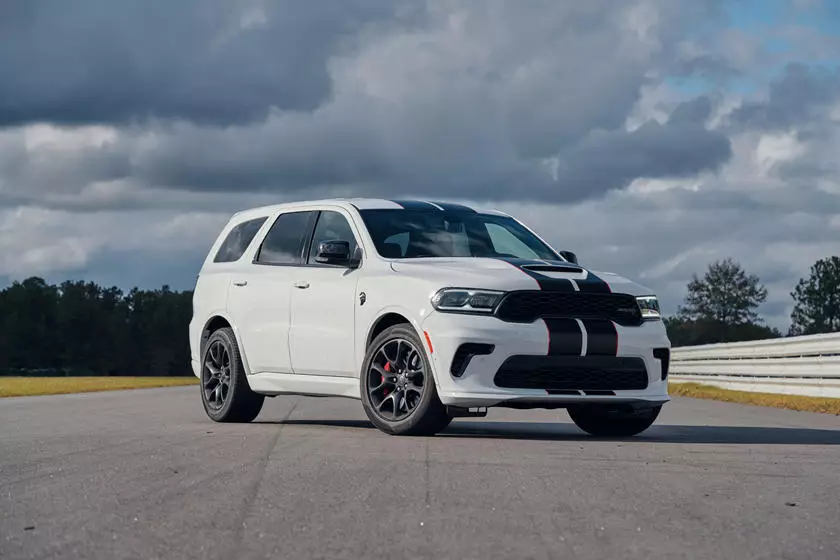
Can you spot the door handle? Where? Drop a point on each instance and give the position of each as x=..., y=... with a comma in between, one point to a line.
x=240, y=282
x=302, y=284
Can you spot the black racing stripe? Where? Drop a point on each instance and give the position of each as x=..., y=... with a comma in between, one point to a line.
x=592, y=284
x=452, y=207
x=547, y=283
x=416, y=205
x=601, y=337
x=564, y=337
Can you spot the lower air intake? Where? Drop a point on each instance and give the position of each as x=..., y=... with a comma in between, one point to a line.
x=664, y=357
x=573, y=373
x=465, y=353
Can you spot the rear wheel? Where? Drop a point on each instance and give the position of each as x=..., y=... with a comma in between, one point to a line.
x=225, y=393
x=613, y=421
x=398, y=390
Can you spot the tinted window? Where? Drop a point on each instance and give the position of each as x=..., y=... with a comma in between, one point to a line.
x=283, y=244
x=331, y=226
x=238, y=240
x=394, y=247
x=506, y=243
x=419, y=233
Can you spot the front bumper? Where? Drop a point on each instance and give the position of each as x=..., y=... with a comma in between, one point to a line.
x=476, y=386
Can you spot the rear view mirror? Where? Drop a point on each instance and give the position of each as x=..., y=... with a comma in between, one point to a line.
x=333, y=252
x=569, y=256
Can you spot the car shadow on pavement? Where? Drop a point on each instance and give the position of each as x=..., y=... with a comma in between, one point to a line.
x=662, y=433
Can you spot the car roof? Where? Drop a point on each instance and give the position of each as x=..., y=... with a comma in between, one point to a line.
x=365, y=204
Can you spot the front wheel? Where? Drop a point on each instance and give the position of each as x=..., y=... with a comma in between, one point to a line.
x=398, y=390
x=612, y=421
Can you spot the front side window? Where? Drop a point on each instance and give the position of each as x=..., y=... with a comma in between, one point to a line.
x=419, y=233
x=331, y=226
x=283, y=244
x=238, y=240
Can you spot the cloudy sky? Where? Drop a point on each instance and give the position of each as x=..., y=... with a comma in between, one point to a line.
x=649, y=136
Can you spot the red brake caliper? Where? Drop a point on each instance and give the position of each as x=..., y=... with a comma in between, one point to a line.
x=382, y=380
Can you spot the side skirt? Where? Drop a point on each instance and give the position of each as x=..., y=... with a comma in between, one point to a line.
x=272, y=384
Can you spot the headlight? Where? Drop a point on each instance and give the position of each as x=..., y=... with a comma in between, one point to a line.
x=463, y=300
x=649, y=305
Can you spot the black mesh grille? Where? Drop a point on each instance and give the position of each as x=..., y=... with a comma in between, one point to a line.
x=527, y=306
x=584, y=373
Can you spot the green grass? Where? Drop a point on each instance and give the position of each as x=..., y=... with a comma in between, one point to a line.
x=793, y=402
x=29, y=386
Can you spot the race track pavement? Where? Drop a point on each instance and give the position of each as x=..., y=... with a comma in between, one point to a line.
x=144, y=474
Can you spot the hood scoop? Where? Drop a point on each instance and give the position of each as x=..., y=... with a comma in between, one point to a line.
x=552, y=268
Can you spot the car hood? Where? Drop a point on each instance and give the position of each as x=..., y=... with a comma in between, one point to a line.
x=510, y=274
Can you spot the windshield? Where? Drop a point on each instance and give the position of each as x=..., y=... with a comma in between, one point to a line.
x=419, y=233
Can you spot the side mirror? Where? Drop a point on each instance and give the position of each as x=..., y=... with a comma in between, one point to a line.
x=569, y=256
x=333, y=252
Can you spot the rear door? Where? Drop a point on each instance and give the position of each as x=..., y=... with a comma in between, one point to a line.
x=323, y=302
x=259, y=296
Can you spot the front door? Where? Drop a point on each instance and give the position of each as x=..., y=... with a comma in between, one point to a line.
x=323, y=306
x=260, y=291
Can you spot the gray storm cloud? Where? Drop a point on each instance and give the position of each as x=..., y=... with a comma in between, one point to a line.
x=206, y=61
x=612, y=127
x=493, y=100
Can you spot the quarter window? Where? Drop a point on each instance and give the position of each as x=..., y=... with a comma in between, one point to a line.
x=238, y=240
x=283, y=244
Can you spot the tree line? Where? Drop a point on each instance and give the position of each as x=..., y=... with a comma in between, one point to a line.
x=722, y=306
x=81, y=328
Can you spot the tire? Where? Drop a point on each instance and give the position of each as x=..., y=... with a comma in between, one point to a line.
x=238, y=403
x=426, y=415
x=611, y=421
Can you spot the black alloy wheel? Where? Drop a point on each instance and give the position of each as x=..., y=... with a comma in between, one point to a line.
x=396, y=379
x=216, y=374
x=398, y=389
x=225, y=392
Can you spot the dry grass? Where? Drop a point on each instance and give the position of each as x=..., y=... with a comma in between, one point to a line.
x=792, y=402
x=28, y=386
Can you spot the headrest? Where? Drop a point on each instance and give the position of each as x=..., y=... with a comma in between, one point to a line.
x=391, y=250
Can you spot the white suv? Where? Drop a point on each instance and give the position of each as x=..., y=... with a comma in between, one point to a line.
x=425, y=311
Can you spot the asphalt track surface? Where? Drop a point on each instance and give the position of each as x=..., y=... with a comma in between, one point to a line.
x=144, y=474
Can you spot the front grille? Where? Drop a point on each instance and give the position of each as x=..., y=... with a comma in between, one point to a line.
x=527, y=306
x=573, y=373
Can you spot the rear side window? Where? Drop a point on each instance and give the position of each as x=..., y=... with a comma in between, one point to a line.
x=238, y=240
x=283, y=244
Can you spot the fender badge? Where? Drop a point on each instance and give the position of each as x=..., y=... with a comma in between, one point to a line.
x=362, y=298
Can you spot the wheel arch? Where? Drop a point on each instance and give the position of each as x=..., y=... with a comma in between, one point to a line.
x=389, y=317
x=221, y=320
